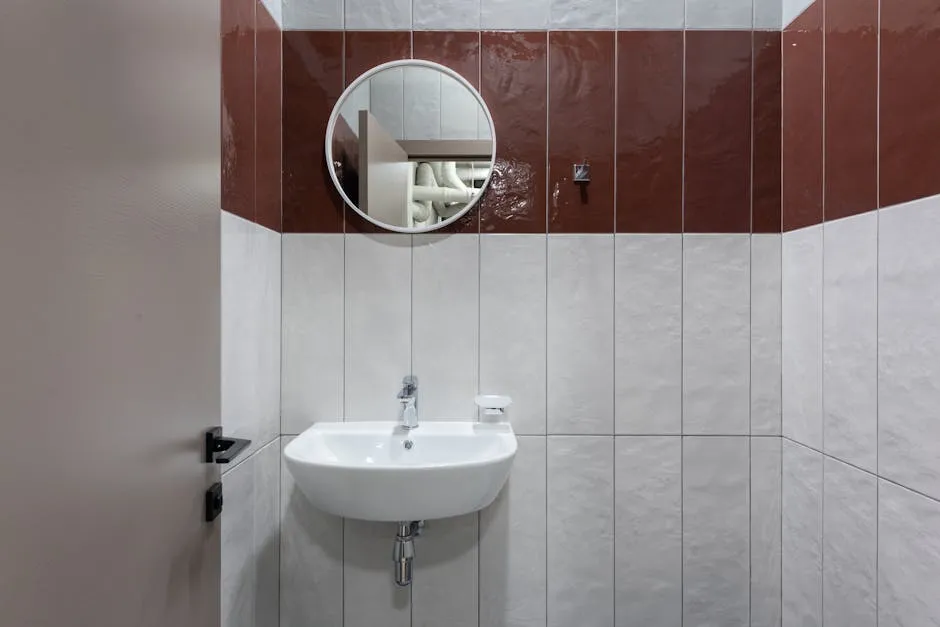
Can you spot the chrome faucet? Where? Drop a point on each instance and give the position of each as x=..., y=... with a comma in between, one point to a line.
x=408, y=398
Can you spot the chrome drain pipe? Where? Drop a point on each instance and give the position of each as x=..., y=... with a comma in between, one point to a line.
x=403, y=555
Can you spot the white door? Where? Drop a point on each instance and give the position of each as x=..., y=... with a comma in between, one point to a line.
x=109, y=311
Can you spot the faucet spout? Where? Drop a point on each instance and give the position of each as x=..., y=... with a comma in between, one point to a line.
x=408, y=399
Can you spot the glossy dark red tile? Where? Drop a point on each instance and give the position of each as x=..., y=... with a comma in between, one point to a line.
x=910, y=100
x=366, y=49
x=851, y=172
x=514, y=86
x=458, y=50
x=649, y=131
x=581, y=123
x=268, y=121
x=718, y=132
x=238, y=107
x=312, y=82
x=803, y=120
x=767, y=200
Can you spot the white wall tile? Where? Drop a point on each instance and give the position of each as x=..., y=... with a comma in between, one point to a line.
x=268, y=533
x=714, y=14
x=312, y=14
x=909, y=345
x=422, y=103
x=766, y=469
x=802, y=536
x=908, y=558
x=649, y=14
x=512, y=325
x=378, y=15
x=580, y=334
x=387, y=100
x=445, y=589
x=648, y=531
x=238, y=564
x=572, y=14
x=446, y=324
x=716, y=531
x=446, y=14
x=250, y=540
x=311, y=579
x=648, y=326
x=766, y=334
x=251, y=328
x=512, y=544
x=378, y=324
x=850, y=546
x=371, y=597
x=793, y=8
x=802, y=335
x=716, y=334
x=311, y=330
x=850, y=329
x=768, y=14
x=514, y=14
x=580, y=508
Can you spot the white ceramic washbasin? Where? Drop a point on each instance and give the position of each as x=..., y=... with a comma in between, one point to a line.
x=364, y=470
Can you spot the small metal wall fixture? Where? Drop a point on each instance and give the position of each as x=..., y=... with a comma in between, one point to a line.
x=581, y=172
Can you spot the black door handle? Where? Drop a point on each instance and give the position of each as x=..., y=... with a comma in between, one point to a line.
x=220, y=450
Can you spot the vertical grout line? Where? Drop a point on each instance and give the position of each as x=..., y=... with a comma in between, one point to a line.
x=780, y=336
x=685, y=19
x=750, y=340
x=280, y=378
x=878, y=320
x=613, y=391
x=822, y=343
x=548, y=78
x=345, y=293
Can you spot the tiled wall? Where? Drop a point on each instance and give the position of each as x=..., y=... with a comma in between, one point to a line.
x=636, y=324
x=251, y=309
x=861, y=490
x=251, y=111
x=251, y=354
x=859, y=108
x=660, y=116
x=861, y=481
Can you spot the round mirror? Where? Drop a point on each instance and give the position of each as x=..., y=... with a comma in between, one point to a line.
x=410, y=146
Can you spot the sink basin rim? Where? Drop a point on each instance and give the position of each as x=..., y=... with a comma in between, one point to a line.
x=299, y=449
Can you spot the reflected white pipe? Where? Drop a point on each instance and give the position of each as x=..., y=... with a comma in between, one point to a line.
x=451, y=179
x=441, y=194
x=470, y=173
x=420, y=212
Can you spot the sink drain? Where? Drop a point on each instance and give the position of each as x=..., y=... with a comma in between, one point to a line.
x=409, y=445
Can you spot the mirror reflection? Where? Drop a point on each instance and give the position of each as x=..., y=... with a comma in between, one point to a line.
x=411, y=146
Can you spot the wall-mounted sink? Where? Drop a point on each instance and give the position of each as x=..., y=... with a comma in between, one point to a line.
x=382, y=472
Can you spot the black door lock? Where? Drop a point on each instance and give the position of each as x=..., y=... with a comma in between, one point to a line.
x=213, y=502
x=221, y=450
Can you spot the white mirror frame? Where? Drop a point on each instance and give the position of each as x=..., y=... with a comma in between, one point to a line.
x=334, y=117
